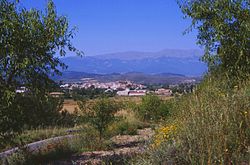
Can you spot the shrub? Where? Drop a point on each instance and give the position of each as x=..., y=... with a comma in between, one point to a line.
x=44, y=111
x=32, y=38
x=123, y=127
x=99, y=113
x=216, y=125
x=127, y=123
x=31, y=111
x=153, y=108
x=213, y=128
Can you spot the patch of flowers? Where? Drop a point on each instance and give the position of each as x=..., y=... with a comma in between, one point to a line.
x=163, y=134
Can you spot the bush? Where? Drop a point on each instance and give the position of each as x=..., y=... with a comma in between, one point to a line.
x=123, y=127
x=127, y=123
x=24, y=65
x=31, y=111
x=43, y=111
x=153, y=108
x=215, y=124
x=213, y=127
x=99, y=113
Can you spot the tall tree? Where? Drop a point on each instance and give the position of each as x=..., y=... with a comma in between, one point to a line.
x=224, y=30
x=29, y=43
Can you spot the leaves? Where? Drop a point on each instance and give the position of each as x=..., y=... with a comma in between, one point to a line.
x=29, y=42
x=224, y=31
x=99, y=113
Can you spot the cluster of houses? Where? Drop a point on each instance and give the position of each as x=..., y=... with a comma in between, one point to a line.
x=21, y=90
x=91, y=83
x=122, y=88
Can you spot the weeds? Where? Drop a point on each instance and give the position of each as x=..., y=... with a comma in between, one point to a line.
x=213, y=127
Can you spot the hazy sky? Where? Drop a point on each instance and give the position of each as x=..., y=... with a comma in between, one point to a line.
x=106, y=26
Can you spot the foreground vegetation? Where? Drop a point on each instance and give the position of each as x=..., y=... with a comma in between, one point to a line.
x=209, y=126
x=124, y=118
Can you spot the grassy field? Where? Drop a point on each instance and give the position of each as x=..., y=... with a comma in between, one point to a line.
x=70, y=105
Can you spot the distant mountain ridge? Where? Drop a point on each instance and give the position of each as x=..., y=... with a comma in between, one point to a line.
x=135, y=55
x=185, y=62
x=137, y=77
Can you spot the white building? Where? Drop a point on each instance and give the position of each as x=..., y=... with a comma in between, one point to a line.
x=137, y=93
x=21, y=90
x=123, y=93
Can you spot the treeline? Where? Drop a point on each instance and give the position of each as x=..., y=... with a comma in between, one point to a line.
x=88, y=93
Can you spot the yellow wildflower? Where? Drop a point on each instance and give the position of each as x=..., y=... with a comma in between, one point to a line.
x=163, y=134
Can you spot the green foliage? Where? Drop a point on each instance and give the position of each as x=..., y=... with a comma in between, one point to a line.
x=153, y=108
x=89, y=93
x=29, y=41
x=125, y=126
x=33, y=111
x=28, y=44
x=215, y=124
x=39, y=110
x=183, y=88
x=224, y=30
x=86, y=140
x=99, y=113
x=213, y=127
x=153, y=87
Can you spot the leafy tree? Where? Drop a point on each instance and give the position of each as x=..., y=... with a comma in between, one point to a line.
x=29, y=41
x=224, y=30
x=149, y=106
x=99, y=113
x=90, y=93
x=153, y=108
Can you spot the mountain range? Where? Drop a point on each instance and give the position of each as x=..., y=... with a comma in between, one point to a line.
x=176, y=61
x=137, y=77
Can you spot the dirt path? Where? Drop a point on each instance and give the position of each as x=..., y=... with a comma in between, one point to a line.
x=125, y=146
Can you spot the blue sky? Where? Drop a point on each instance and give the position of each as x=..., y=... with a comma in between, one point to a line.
x=106, y=26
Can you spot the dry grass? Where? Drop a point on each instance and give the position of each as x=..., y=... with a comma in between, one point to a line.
x=213, y=127
x=70, y=105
